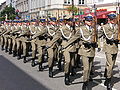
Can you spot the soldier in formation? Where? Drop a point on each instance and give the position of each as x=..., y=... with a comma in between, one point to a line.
x=57, y=41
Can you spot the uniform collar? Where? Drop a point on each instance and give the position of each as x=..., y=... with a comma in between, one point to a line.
x=88, y=27
x=111, y=25
x=68, y=26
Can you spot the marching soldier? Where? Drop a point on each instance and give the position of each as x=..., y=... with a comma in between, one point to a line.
x=14, y=33
x=24, y=37
x=33, y=32
x=18, y=41
x=2, y=30
x=7, y=36
x=69, y=52
x=109, y=32
x=87, y=48
x=10, y=39
x=40, y=42
x=53, y=45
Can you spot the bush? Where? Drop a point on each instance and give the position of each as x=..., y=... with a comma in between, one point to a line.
x=12, y=17
x=2, y=18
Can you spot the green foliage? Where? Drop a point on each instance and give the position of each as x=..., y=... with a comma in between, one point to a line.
x=71, y=9
x=2, y=18
x=12, y=17
x=10, y=11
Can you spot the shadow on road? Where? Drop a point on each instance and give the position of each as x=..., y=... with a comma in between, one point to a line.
x=13, y=78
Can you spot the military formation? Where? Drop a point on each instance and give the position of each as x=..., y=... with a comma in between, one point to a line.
x=63, y=43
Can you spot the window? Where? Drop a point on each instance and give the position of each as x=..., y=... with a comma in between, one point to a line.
x=81, y=1
x=68, y=1
x=65, y=1
x=100, y=0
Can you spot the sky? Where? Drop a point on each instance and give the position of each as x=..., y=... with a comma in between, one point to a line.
x=1, y=1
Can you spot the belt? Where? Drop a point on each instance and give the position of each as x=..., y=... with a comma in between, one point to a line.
x=111, y=41
x=89, y=45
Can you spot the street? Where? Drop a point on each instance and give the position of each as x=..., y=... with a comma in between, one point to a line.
x=15, y=75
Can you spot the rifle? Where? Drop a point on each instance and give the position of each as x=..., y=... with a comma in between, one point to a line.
x=73, y=26
x=47, y=19
x=95, y=23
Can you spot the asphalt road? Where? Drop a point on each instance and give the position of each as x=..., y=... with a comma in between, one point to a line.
x=15, y=75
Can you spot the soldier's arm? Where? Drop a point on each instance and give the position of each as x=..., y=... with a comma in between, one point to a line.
x=39, y=34
x=53, y=41
x=24, y=33
x=7, y=32
x=100, y=32
x=14, y=31
x=100, y=35
x=2, y=32
x=73, y=39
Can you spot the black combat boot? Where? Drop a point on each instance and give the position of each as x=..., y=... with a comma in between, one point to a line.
x=67, y=79
x=2, y=47
x=18, y=55
x=24, y=59
x=33, y=62
x=50, y=72
x=10, y=51
x=85, y=86
x=90, y=78
x=108, y=83
x=6, y=49
x=40, y=67
x=73, y=72
x=92, y=71
x=59, y=66
x=105, y=74
x=14, y=53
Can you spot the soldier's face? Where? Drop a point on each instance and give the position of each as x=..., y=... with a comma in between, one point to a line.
x=89, y=23
x=113, y=21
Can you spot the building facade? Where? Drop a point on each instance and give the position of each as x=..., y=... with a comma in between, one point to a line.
x=11, y=2
x=34, y=9
x=106, y=4
x=2, y=6
x=22, y=6
x=53, y=8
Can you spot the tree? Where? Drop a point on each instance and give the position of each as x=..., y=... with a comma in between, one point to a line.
x=10, y=11
x=12, y=17
x=71, y=9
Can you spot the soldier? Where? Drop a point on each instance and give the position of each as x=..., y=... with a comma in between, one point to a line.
x=53, y=46
x=18, y=41
x=87, y=48
x=69, y=52
x=14, y=33
x=11, y=40
x=34, y=47
x=109, y=32
x=39, y=41
x=24, y=37
x=2, y=30
x=7, y=36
